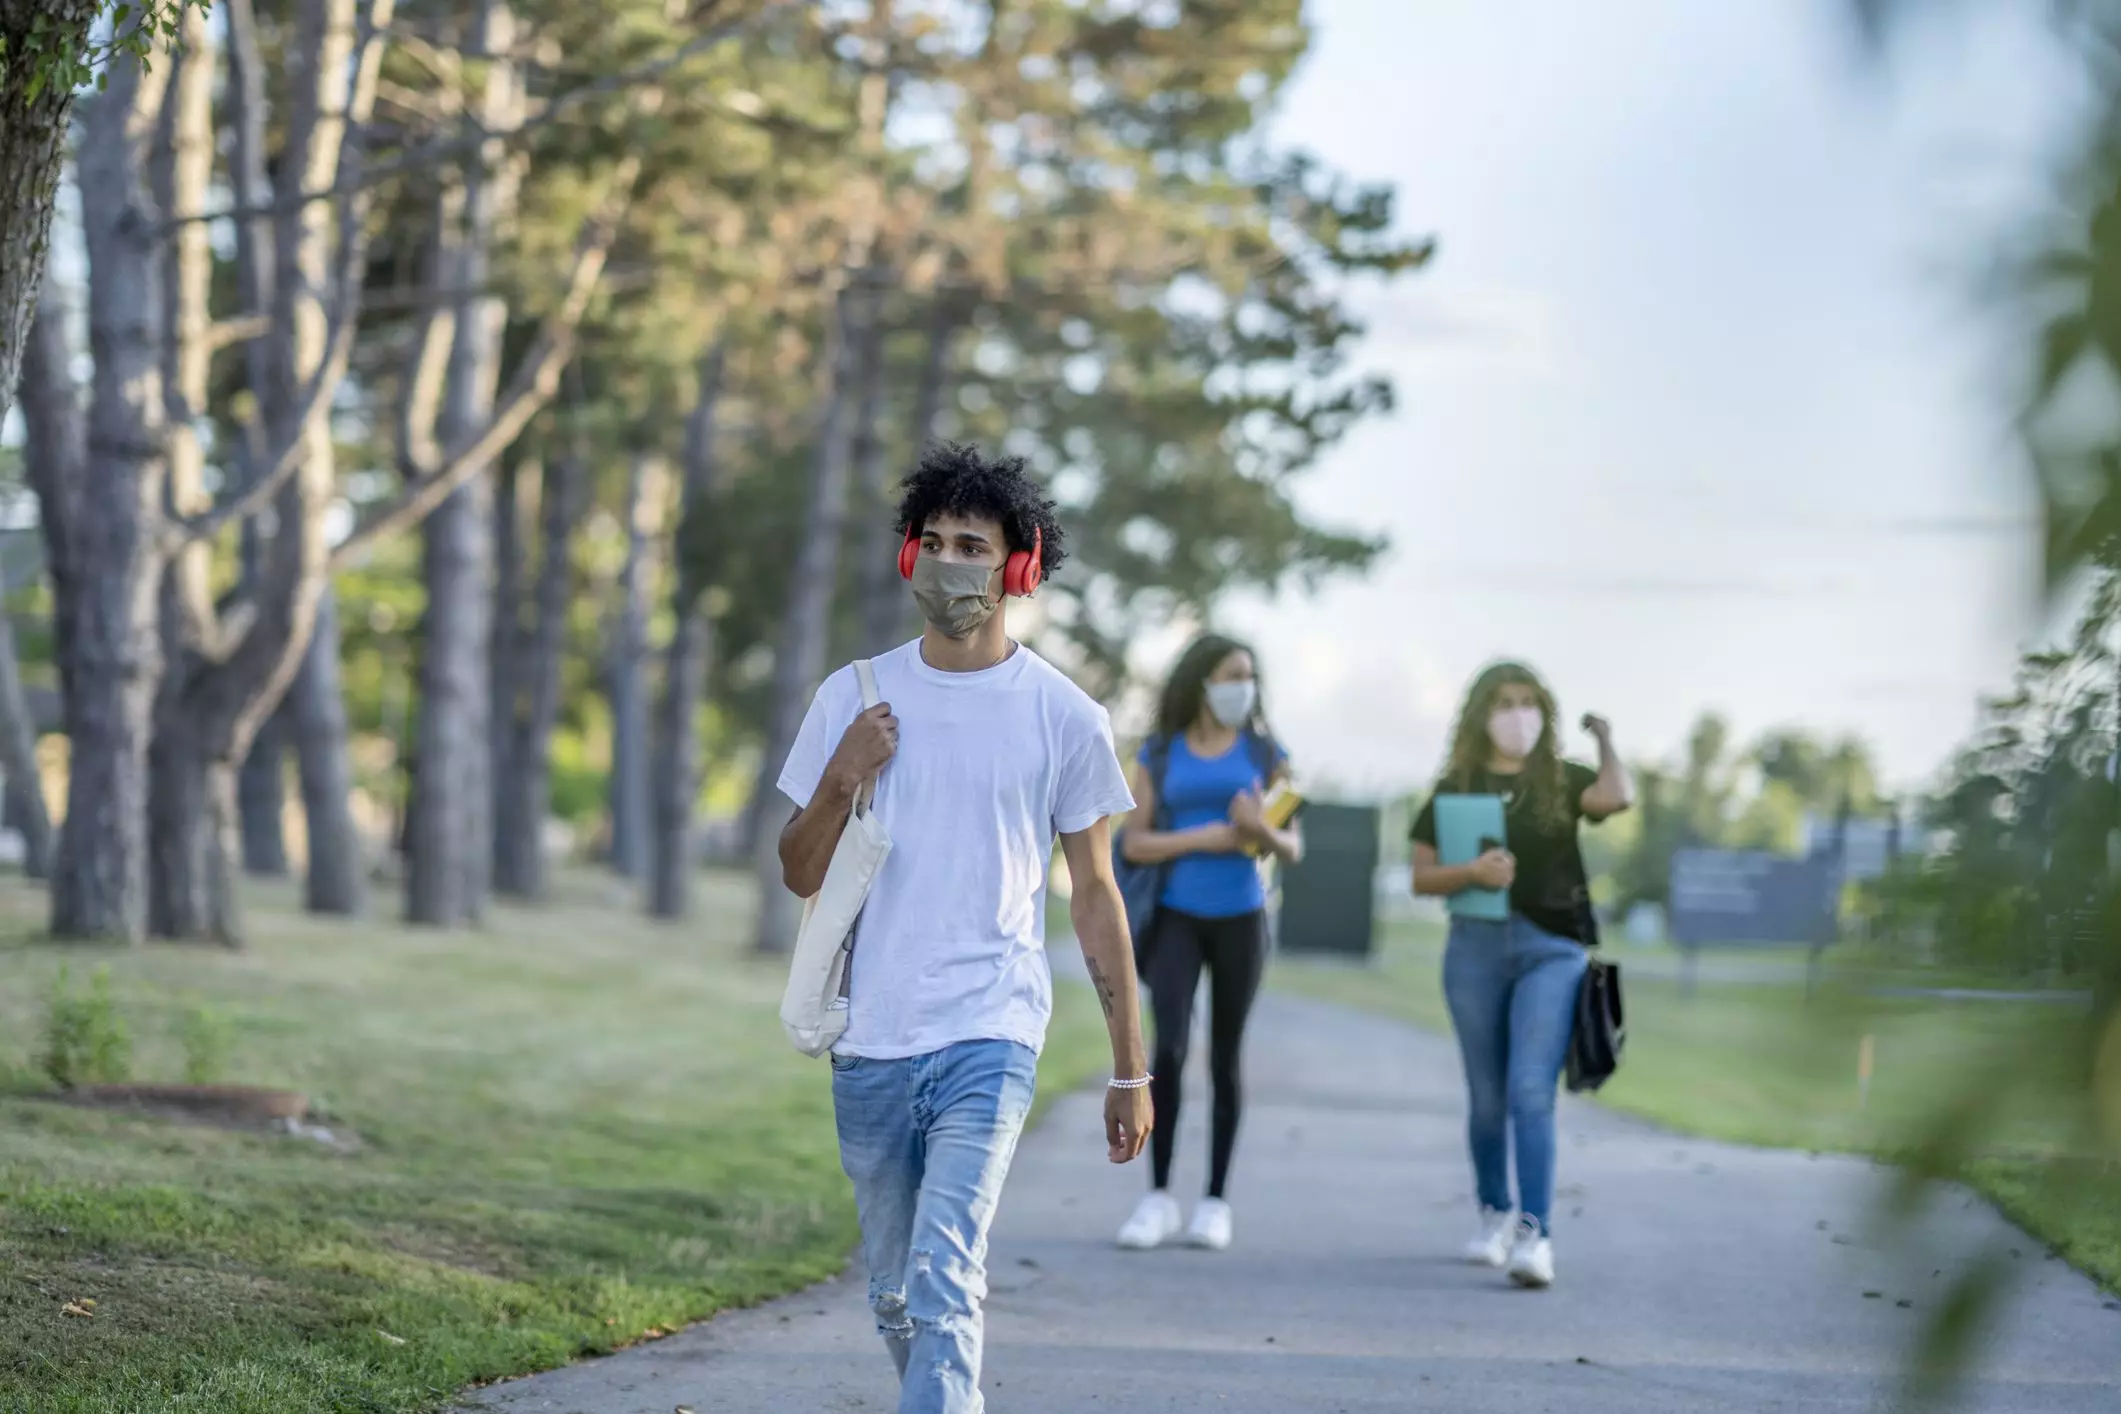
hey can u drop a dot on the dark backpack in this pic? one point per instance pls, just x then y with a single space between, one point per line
1141 886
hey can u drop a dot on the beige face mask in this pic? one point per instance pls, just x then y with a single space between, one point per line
956 598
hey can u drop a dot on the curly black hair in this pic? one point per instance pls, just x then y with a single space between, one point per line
954 478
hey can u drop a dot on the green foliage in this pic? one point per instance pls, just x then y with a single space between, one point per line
1143 297
206 1037
2022 882
1125 285
86 1041
52 54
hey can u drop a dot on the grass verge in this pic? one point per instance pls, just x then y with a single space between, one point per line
1768 1065
577 1131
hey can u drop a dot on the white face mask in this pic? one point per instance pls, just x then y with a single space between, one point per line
1516 730
1231 702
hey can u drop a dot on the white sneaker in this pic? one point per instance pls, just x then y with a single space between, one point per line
1490 1246
1156 1221
1532 1258
1211 1225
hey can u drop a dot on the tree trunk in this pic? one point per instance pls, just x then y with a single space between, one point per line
450 830
949 318
224 914
112 627
261 800
677 775
18 755
447 846
888 616
176 788
879 598
330 105
522 871
315 715
799 662
261 786
195 839
54 456
868 467
180 167
223 677
236 671
509 645
627 681
176 828
685 666
54 462
32 154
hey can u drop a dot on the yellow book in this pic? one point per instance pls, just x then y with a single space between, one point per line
1278 809
1281 805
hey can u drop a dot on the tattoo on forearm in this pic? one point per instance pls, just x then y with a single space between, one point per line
1103 984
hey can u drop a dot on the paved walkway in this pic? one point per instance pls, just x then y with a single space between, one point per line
1694 1277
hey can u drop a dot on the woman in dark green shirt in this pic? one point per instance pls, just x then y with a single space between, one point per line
1511 985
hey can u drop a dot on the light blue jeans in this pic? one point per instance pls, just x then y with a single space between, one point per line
1511 988
927 1142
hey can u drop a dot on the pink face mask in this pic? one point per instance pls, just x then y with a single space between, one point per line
1516 730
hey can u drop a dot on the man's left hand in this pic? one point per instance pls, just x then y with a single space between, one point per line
1598 727
1129 1116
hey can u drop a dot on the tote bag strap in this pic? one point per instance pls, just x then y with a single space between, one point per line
865 673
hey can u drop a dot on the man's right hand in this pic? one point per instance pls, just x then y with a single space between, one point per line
869 742
1496 869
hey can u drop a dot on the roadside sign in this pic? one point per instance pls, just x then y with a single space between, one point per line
1736 898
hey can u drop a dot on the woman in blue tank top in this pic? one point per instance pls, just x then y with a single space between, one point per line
1198 788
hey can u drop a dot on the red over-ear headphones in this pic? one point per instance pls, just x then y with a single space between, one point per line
1022 573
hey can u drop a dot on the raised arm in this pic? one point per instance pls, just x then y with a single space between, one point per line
1612 792
807 840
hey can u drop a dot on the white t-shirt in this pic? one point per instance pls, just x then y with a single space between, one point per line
990 766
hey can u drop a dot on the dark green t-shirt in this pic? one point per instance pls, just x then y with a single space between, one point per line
1551 888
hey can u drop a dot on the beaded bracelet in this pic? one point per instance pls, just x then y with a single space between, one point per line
1131 1084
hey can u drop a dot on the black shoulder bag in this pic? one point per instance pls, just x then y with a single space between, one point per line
1601 1020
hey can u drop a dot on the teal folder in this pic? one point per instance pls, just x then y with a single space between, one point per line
1462 823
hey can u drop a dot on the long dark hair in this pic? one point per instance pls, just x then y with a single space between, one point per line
1186 689
1545 778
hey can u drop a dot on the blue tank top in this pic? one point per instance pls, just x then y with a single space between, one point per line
1197 791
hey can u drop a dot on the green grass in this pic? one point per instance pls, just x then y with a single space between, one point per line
1766 1065
577 1130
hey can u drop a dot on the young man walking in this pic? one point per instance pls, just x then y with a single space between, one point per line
986 753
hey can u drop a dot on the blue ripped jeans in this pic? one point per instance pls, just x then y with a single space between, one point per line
1511 988
927 1141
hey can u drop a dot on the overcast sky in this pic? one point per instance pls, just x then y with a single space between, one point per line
1697 407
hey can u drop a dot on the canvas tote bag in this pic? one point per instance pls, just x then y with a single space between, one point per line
814 1006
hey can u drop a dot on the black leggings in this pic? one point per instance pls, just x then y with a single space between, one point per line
1235 951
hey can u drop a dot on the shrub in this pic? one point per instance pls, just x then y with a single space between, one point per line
205 1035
85 1040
